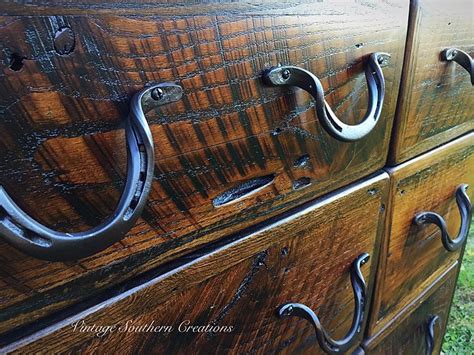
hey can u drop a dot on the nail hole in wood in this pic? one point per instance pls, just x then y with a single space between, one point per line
302 161
277 131
301 183
243 190
64 41
16 62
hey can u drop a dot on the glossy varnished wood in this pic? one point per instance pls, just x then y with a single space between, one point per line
436 101
62 152
302 256
413 257
408 335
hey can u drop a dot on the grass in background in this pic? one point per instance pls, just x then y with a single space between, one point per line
459 338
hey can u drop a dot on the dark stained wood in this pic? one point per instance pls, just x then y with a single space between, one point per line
409 335
62 152
413 257
436 101
303 257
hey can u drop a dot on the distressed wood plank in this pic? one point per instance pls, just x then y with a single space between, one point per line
413 257
436 97
62 153
408 334
242 284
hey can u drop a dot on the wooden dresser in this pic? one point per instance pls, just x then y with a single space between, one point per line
233 176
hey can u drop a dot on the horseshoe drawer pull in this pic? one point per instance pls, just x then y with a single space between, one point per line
325 341
465 208
37 240
460 57
295 76
430 335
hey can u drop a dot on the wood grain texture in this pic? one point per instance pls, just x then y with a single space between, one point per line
413 257
409 335
436 101
302 257
62 153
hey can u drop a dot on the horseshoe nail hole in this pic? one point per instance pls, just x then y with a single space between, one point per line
382 207
402 192
243 190
439 85
40 241
359 45
302 161
16 62
301 183
134 203
24 233
285 251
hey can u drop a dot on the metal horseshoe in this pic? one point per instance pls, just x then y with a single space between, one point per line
295 76
35 239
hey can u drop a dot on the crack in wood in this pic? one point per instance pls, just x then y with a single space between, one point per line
257 263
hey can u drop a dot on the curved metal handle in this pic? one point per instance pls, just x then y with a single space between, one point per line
465 209
460 57
430 341
294 76
325 341
35 239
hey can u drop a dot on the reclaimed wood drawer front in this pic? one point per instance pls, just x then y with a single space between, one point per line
65 85
411 335
413 255
437 97
303 256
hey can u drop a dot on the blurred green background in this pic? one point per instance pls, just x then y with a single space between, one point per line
459 334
